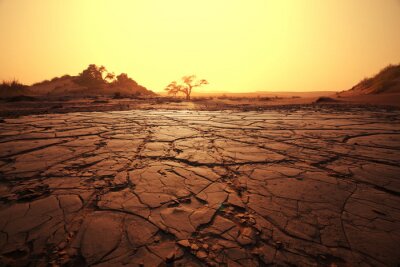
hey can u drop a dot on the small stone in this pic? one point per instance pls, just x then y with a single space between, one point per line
194 247
247 236
215 247
201 254
252 221
184 242
170 258
205 246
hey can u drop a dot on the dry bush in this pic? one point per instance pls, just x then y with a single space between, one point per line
12 85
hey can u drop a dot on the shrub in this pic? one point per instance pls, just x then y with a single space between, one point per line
12 85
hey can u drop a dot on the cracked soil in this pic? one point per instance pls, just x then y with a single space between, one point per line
201 188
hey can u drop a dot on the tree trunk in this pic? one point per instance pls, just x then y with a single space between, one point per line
188 97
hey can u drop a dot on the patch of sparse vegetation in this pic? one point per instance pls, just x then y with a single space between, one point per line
386 81
12 88
13 85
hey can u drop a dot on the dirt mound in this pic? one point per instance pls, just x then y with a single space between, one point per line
324 99
90 83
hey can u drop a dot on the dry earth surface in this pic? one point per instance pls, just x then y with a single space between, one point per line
22 105
312 187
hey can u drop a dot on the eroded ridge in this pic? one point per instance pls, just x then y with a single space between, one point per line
195 188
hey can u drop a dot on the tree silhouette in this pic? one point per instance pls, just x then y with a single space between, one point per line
173 88
188 83
98 79
92 76
123 79
110 76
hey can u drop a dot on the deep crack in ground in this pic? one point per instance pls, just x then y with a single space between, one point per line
194 188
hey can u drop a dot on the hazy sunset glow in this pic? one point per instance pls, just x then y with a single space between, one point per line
236 45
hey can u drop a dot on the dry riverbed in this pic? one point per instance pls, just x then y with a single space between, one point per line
302 187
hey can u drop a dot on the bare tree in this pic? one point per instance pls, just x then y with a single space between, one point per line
173 88
188 83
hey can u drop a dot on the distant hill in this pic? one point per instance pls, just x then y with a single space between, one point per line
387 81
95 80
58 86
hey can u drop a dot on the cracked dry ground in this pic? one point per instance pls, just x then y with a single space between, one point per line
195 188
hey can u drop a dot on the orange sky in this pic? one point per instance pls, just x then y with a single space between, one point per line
247 45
